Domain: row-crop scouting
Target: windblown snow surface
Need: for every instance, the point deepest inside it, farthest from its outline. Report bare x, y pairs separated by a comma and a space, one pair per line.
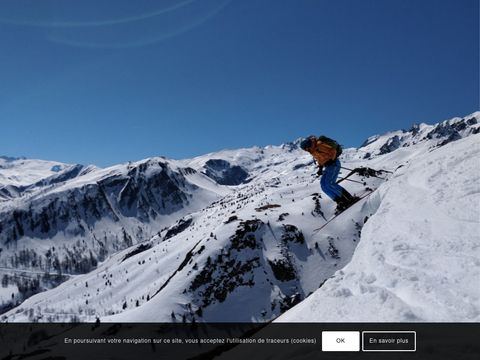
229, 236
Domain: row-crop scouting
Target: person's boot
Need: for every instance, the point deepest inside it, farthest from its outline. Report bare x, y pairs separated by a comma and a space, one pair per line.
342, 204
345, 201
347, 197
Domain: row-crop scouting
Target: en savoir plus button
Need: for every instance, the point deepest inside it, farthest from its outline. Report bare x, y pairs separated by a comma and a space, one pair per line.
389, 341
340, 341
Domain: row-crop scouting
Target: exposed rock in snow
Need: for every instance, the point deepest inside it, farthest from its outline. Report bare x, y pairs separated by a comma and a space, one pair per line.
224, 173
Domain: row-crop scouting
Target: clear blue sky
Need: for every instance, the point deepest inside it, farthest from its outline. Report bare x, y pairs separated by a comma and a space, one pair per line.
105, 82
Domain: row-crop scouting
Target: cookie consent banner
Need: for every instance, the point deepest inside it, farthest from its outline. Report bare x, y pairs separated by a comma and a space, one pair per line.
236, 341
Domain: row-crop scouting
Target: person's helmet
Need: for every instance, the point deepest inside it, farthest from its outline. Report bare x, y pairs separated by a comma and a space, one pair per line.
306, 143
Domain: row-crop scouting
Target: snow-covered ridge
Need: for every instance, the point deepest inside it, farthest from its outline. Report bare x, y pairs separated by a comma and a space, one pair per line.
227, 236
439, 134
23, 172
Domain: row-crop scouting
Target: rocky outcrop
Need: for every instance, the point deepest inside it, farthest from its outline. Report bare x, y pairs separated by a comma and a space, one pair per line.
224, 173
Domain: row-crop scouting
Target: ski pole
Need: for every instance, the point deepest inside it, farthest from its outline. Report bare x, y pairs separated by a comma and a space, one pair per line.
344, 178
355, 181
345, 168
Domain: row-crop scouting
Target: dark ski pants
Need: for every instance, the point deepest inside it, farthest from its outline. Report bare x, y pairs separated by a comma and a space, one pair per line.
328, 182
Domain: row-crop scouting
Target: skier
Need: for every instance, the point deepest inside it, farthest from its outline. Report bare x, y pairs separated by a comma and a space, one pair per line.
326, 152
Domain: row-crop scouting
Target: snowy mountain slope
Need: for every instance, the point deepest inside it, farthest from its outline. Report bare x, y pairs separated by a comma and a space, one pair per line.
246, 253
436, 135
213, 262
419, 255
20, 175
68, 227
235, 167
21, 171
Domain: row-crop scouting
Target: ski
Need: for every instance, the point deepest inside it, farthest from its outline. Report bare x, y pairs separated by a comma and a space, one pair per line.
368, 193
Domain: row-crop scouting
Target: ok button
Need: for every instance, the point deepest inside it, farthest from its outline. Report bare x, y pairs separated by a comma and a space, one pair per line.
340, 341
